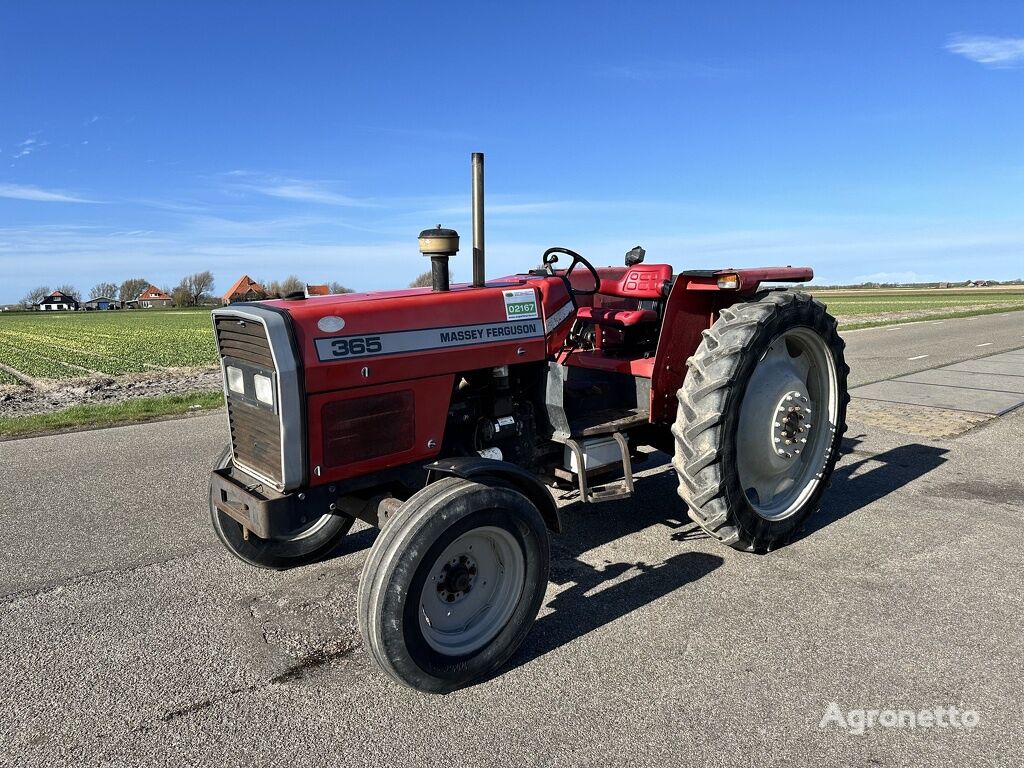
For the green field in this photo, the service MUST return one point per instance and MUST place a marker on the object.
(64, 345)
(852, 304)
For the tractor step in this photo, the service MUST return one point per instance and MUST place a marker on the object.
(609, 491)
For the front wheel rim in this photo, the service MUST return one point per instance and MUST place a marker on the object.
(787, 423)
(471, 591)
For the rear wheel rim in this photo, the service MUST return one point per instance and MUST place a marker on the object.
(471, 591)
(787, 423)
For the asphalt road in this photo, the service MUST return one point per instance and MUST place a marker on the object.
(884, 353)
(129, 637)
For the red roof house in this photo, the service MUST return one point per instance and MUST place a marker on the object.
(244, 289)
(153, 297)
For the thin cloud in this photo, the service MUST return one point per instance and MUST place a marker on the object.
(540, 206)
(25, 192)
(300, 190)
(28, 146)
(993, 52)
(309, 193)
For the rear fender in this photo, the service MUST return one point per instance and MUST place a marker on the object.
(489, 471)
(692, 307)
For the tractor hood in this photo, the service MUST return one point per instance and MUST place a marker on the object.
(362, 339)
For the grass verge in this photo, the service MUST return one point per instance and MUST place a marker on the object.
(853, 325)
(93, 415)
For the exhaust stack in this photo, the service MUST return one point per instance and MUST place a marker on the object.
(479, 278)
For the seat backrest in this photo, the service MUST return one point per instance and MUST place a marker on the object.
(643, 281)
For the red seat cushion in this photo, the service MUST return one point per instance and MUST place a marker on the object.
(616, 318)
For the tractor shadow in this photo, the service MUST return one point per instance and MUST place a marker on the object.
(855, 486)
(598, 595)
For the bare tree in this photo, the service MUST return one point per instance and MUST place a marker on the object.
(292, 284)
(272, 289)
(198, 285)
(36, 295)
(426, 279)
(106, 290)
(182, 294)
(68, 290)
(339, 288)
(131, 288)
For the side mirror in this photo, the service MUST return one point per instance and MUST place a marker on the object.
(635, 256)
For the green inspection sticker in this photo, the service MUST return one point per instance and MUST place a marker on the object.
(520, 303)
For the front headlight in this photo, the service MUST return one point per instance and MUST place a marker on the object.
(264, 389)
(236, 381)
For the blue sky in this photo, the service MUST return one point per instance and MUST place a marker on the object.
(869, 140)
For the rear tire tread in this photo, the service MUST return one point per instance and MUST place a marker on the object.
(712, 387)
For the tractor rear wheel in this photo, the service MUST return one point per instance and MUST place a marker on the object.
(453, 584)
(761, 414)
(308, 544)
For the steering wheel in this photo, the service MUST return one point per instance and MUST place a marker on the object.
(551, 256)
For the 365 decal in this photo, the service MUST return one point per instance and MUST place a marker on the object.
(356, 346)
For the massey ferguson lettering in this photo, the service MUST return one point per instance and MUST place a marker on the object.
(349, 347)
(472, 334)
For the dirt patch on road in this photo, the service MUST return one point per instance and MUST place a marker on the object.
(46, 397)
(922, 420)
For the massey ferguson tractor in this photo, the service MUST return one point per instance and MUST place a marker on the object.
(442, 416)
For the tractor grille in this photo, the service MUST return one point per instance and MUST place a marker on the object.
(368, 427)
(255, 426)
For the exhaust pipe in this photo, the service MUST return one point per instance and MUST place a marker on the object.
(479, 278)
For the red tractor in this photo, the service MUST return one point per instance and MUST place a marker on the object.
(442, 416)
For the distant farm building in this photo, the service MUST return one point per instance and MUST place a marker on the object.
(152, 298)
(57, 302)
(101, 302)
(245, 289)
(317, 290)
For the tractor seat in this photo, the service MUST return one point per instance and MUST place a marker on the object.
(641, 281)
(616, 318)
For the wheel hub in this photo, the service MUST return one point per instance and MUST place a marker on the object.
(472, 589)
(790, 424)
(456, 578)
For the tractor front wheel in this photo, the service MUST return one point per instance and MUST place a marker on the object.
(761, 415)
(308, 544)
(453, 584)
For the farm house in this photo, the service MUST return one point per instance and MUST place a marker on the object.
(244, 289)
(58, 302)
(101, 302)
(153, 298)
(317, 290)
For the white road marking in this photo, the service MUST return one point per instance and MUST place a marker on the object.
(919, 357)
(986, 344)
(938, 322)
(895, 328)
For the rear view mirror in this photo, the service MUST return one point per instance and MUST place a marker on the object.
(634, 256)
